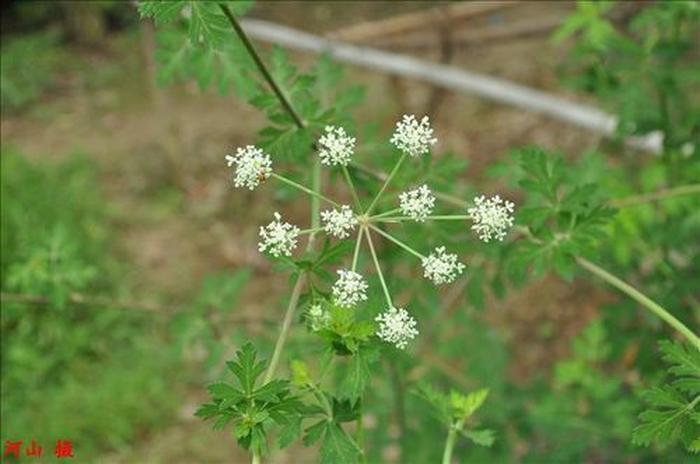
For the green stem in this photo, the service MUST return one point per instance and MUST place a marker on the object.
(386, 184)
(261, 66)
(304, 189)
(310, 231)
(396, 241)
(286, 325)
(256, 458)
(642, 299)
(449, 445)
(454, 217)
(635, 200)
(384, 214)
(360, 435)
(353, 192)
(315, 201)
(379, 269)
(356, 254)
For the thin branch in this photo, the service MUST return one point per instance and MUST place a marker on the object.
(378, 267)
(261, 66)
(286, 324)
(386, 183)
(642, 299)
(304, 189)
(396, 241)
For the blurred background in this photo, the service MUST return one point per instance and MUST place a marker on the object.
(129, 265)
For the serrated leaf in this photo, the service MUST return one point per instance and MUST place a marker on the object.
(337, 447)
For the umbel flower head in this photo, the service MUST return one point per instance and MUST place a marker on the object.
(413, 137)
(339, 222)
(252, 166)
(442, 267)
(349, 289)
(417, 203)
(492, 217)
(396, 326)
(336, 147)
(278, 238)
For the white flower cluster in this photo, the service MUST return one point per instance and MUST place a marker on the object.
(412, 137)
(396, 326)
(417, 203)
(252, 166)
(336, 147)
(339, 222)
(318, 317)
(492, 217)
(349, 289)
(442, 267)
(278, 238)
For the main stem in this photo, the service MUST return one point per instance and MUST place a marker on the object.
(261, 66)
(449, 445)
(642, 299)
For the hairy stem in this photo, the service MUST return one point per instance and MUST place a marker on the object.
(261, 66)
(386, 183)
(642, 299)
(379, 269)
(296, 185)
(396, 241)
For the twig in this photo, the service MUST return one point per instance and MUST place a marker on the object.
(367, 31)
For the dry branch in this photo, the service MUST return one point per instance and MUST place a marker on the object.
(410, 22)
(458, 80)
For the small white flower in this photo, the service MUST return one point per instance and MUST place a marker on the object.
(278, 238)
(417, 203)
(339, 222)
(492, 217)
(318, 317)
(252, 166)
(349, 289)
(336, 147)
(442, 267)
(396, 326)
(412, 137)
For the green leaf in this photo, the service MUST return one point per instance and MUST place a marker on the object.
(358, 375)
(483, 437)
(290, 432)
(337, 447)
(246, 369)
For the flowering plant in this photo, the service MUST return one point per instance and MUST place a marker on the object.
(350, 288)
